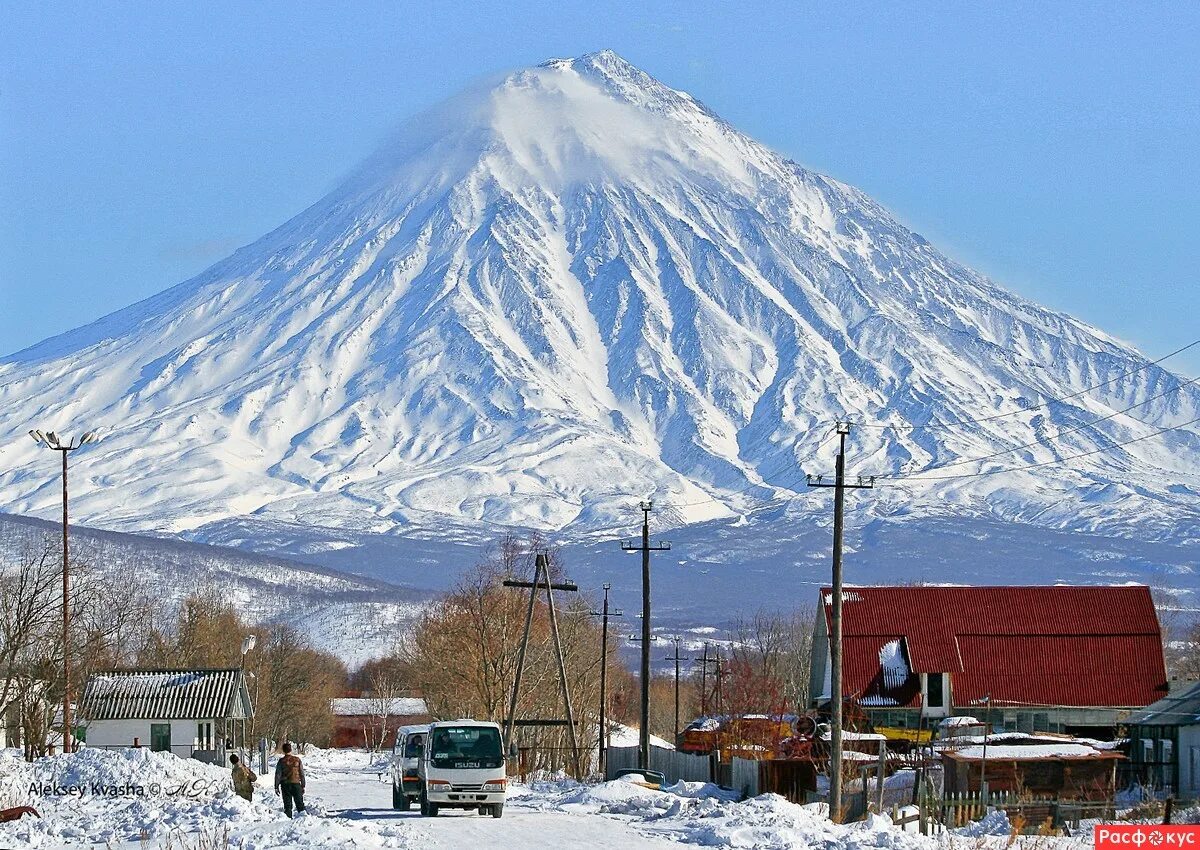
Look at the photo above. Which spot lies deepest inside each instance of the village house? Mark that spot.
(197, 713)
(1164, 744)
(372, 722)
(1073, 660)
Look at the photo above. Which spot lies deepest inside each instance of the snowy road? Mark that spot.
(355, 794)
(183, 804)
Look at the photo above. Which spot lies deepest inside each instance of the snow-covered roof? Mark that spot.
(847, 735)
(166, 695)
(620, 735)
(1030, 752)
(365, 707)
(954, 722)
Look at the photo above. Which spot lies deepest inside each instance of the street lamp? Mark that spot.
(248, 643)
(56, 443)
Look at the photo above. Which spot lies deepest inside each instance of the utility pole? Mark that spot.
(604, 614)
(675, 656)
(835, 638)
(541, 578)
(55, 443)
(704, 682)
(645, 548)
(719, 672)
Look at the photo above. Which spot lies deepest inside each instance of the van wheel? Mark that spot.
(497, 810)
(399, 800)
(428, 809)
(405, 802)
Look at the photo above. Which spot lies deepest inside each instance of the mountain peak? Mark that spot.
(573, 286)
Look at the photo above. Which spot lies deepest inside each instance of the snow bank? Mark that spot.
(102, 796)
(994, 822)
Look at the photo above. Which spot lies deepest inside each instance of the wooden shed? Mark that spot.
(1067, 771)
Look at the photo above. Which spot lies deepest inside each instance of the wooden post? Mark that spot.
(1167, 807)
(879, 776)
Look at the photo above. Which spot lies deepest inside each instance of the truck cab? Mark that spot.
(463, 767)
(405, 766)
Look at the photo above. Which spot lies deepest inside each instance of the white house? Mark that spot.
(198, 713)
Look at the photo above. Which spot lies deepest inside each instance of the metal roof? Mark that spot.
(166, 695)
(366, 707)
(1178, 709)
(1090, 646)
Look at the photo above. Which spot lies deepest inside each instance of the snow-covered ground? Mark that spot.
(185, 804)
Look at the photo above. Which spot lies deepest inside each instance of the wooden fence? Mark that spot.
(1027, 815)
(793, 779)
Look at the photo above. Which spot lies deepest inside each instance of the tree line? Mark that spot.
(460, 656)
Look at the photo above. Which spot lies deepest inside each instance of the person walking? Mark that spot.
(243, 779)
(289, 780)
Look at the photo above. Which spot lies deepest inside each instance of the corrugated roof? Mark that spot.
(1069, 646)
(166, 695)
(365, 707)
(1178, 709)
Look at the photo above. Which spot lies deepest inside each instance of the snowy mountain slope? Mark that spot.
(355, 617)
(575, 287)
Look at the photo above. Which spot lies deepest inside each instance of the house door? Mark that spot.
(160, 737)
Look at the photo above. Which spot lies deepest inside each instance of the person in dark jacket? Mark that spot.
(289, 780)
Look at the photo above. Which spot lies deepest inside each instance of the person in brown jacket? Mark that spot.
(243, 779)
(289, 780)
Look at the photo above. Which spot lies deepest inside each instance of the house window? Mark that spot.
(204, 736)
(1147, 751)
(937, 689)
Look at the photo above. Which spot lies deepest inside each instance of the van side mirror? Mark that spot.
(512, 750)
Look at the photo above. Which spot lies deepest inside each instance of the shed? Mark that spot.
(372, 722)
(1164, 743)
(199, 713)
(1061, 770)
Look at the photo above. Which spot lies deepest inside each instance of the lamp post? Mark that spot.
(64, 447)
(248, 643)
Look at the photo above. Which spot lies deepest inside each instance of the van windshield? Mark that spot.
(466, 747)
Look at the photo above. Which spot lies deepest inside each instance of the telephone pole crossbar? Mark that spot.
(835, 638)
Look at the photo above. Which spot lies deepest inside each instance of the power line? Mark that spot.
(1041, 442)
(961, 422)
(829, 435)
(920, 477)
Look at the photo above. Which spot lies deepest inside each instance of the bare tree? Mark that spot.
(464, 652)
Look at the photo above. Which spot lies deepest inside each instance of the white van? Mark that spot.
(406, 765)
(463, 767)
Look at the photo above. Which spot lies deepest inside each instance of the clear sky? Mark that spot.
(1053, 146)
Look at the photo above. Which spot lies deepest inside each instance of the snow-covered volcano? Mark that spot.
(571, 289)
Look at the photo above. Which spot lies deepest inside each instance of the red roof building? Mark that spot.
(1024, 653)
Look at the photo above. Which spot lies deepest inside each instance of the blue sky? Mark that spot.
(1051, 146)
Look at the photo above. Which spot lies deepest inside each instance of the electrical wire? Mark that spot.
(961, 422)
(1056, 461)
(828, 436)
(1041, 442)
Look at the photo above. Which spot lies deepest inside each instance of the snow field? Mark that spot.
(349, 806)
